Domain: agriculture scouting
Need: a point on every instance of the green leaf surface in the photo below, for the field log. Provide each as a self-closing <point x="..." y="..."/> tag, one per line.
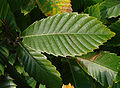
<point x="116" y="85"/>
<point x="42" y="86"/>
<point x="83" y="4"/>
<point x="102" y="66"/>
<point x="66" y="34"/>
<point x="12" y="59"/>
<point x="18" y="4"/>
<point x="0" y="24"/>
<point x="28" y="7"/>
<point x="94" y="11"/>
<point x="110" y="8"/>
<point x="7" y="83"/>
<point x="97" y="1"/>
<point x="115" y="27"/>
<point x="18" y="78"/>
<point x="7" y="18"/>
<point x="23" y="21"/>
<point x="80" y="79"/>
<point x="4" y="7"/>
<point x="11" y="25"/>
<point x="1" y="70"/>
<point x="117" y="80"/>
<point x="39" y="67"/>
<point x="25" y="5"/>
<point x="4" y="53"/>
<point x="31" y="82"/>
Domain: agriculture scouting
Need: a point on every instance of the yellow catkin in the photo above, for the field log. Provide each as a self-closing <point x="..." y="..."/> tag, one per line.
<point x="67" y="86"/>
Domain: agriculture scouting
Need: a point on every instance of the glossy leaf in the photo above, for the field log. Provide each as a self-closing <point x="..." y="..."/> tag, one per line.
<point x="31" y="81"/>
<point x="7" y="83"/>
<point x="4" y="7"/>
<point x="94" y="11"/>
<point x="72" y="73"/>
<point x="110" y="9"/>
<point x="116" y="28"/>
<point x="1" y="70"/>
<point x="4" y="53"/>
<point x="17" y="4"/>
<point x="42" y="86"/>
<point x="80" y="79"/>
<point x="102" y="66"/>
<point x="39" y="67"/>
<point x="7" y="18"/>
<point x="25" y="6"/>
<point x="28" y="7"/>
<point x="83" y="4"/>
<point x="13" y="28"/>
<point x="18" y="78"/>
<point x="12" y="59"/>
<point x="66" y="34"/>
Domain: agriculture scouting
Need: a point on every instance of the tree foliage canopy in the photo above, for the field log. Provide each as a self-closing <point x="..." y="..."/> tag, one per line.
<point x="59" y="44"/>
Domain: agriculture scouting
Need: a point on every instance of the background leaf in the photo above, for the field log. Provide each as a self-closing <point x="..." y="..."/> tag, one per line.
<point x="83" y="4"/>
<point x="101" y="66"/>
<point x="42" y="86"/>
<point x="80" y="79"/>
<point x="11" y="25"/>
<point x="1" y="70"/>
<point x="94" y="11"/>
<point x="28" y="7"/>
<point x="25" y="6"/>
<point x="53" y="7"/>
<point x="39" y="67"/>
<point x="115" y="27"/>
<point x="17" y="4"/>
<point x="72" y="73"/>
<point x="6" y="82"/>
<point x="4" y="8"/>
<point x="110" y="9"/>
<point x="4" y="53"/>
<point x="7" y="18"/>
<point x="30" y="81"/>
<point x="8" y="68"/>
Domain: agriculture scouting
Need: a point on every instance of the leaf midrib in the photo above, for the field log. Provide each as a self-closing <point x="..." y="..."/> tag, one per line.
<point x="52" y="34"/>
